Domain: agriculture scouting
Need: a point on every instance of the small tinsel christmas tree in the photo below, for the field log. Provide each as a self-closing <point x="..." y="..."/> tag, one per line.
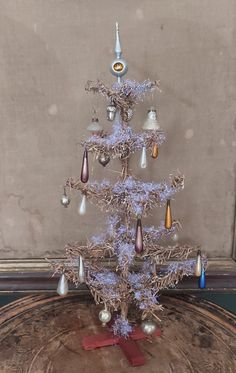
<point x="143" y="267"/>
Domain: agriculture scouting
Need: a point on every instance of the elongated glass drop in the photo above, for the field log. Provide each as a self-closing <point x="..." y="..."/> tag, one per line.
<point x="198" y="267"/>
<point x="168" y="217"/>
<point x="155" y="151"/>
<point x="202" y="280"/>
<point x="143" y="160"/>
<point x="62" y="287"/>
<point x="85" y="167"/>
<point x="82" y="206"/>
<point x="139" y="237"/>
<point x="81" y="270"/>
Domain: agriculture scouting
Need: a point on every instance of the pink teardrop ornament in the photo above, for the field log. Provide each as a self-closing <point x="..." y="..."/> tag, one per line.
<point x="139" y="237"/>
<point x="85" y="168"/>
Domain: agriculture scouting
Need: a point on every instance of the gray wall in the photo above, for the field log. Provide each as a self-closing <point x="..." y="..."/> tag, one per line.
<point x="50" y="48"/>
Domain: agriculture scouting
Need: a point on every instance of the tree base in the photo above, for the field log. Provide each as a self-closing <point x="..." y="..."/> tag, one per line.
<point x="129" y="346"/>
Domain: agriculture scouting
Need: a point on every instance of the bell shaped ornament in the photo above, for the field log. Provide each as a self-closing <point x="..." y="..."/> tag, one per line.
<point x="95" y="127"/>
<point x="85" y="167"/>
<point x="62" y="287"/>
<point x="151" y="123"/>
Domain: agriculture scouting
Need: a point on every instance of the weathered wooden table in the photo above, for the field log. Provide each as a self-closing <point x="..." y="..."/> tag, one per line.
<point x="42" y="334"/>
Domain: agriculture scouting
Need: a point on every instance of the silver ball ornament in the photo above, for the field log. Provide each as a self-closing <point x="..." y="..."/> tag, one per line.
<point x="104" y="159"/>
<point x="104" y="316"/>
<point x="148" y="327"/>
<point x="65" y="200"/>
<point x="175" y="237"/>
<point x="111" y="110"/>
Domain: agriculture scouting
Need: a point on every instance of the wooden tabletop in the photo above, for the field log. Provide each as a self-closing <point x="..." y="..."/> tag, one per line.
<point x="42" y="334"/>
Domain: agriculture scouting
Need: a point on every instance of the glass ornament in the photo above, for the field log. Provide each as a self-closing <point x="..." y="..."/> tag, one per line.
<point x="143" y="160"/>
<point x="175" y="237"/>
<point x="168" y="217"/>
<point x="81" y="270"/>
<point x="155" y="151"/>
<point x="151" y="123"/>
<point x="95" y="127"/>
<point x="65" y="200"/>
<point x="148" y="327"/>
<point x="202" y="279"/>
<point x="198" y="266"/>
<point x="111" y="110"/>
<point x="104" y="159"/>
<point x="62" y="287"/>
<point x="85" y="167"/>
<point x="82" y="206"/>
<point x="139" y="237"/>
<point x="104" y="316"/>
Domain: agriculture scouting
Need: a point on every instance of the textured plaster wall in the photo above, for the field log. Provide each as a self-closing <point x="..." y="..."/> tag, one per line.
<point x="50" y="48"/>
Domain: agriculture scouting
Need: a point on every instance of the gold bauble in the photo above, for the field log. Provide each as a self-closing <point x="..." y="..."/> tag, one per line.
<point x="118" y="66"/>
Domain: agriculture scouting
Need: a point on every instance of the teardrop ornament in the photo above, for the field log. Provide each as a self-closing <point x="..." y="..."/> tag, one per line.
<point x="62" y="287"/>
<point x="143" y="160"/>
<point x="82" y="206"/>
<point x="168" y="217"/>
<point x="139" y="237"/>
<point x="81" y="270"/>
<point x="85" y="167"/>
<point x="202" y="280"/>
<point x="198" y="266"/>
<point x="155" y="151"/>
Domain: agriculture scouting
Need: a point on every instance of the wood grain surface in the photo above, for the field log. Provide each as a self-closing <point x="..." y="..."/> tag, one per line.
<point x="42" y="334"/>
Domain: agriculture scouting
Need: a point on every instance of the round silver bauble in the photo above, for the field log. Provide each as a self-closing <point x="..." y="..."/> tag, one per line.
<point x="104" y="159"/>
<point x="111" y="110"/>
<point x="175" y="237"/>
<point x="104" y="316"/>
<point x="148" y="327"/>
<point x="119" y="67"/>
<point x="65" y="200"/>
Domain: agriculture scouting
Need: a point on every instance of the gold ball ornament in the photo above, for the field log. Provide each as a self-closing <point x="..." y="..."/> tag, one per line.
<point x="119" y="67"/>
